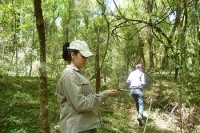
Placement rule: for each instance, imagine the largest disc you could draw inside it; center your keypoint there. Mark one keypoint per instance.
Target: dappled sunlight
(20, 111)
(21, 98)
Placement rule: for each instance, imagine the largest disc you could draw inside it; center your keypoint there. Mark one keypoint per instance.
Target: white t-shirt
(136, 79)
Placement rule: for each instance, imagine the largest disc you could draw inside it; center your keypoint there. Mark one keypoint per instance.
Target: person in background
(77, 101)
(136, 82)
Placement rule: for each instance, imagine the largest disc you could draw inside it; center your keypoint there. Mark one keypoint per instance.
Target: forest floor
(167, 114)
(19, 110)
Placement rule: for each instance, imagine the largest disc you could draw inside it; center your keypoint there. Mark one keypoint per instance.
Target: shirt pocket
(86, 87)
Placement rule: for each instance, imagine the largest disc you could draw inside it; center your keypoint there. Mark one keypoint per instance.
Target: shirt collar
(73, 67)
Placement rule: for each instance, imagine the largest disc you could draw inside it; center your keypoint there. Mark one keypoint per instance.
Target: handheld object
(123, 90)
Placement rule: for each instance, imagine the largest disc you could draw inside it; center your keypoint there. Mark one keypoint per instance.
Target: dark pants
(90, 131)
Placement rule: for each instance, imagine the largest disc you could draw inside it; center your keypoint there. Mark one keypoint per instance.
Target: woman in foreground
(78, 103)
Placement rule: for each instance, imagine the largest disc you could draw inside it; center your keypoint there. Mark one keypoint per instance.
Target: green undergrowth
(19, 100)
(119, 116)
(19, 108)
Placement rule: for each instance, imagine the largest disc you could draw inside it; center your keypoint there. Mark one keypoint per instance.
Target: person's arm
(128, 81)
(82, 103)
(143, 82)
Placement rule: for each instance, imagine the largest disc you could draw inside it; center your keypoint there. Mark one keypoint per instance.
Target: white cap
(81, 46)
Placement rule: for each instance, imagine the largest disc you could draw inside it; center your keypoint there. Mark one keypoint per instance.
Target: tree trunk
(166, 48)
(198, 30)
(182, 27)
(149, 4)
(100, 65)
(97, 65)
(141, 50)
(66, 24)
(164, 61)
(151, 51)
(44, 127)
(15, 46)
(177, 24)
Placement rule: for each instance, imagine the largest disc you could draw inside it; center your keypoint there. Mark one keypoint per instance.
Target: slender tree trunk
(15, 46)
(66, 24)
(149, 5)
(33, 43)
(103, 8)
(10, 64)
(174, 28)
(164, 61)
(141, 50)
(182, 46)
(182, 34)
(44, 127)
(198, 29)
(151, 51)
(181, 58)
(31, 56)
(178, 26)
(97, 65)
(31, 60)
(100, 65)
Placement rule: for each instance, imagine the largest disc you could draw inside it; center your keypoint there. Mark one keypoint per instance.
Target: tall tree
(181, 28)
(97, 30)
(197, 27)
(149, 5)
(15, 37)
(44, 127)
(97, 66)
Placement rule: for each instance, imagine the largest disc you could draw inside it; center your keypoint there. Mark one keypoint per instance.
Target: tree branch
(108, 31)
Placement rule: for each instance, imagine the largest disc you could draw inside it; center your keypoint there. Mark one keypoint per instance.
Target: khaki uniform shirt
(78, 103)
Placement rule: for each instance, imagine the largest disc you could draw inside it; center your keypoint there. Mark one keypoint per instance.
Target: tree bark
(44, 127)
(198, 29)
(141, 51)
(149, 4)
(97, 65)
(66, 21)
(177, 25)
(171, 35)
(182, 27)
(151, 51)
(15, 41)
(100, 65)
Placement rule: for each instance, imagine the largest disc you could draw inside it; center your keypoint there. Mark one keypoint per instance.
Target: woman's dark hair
(66, 52)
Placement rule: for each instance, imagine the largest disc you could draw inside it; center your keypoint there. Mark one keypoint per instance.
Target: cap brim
(86, 53)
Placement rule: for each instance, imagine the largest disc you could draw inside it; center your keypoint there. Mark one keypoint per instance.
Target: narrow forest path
(156, 121)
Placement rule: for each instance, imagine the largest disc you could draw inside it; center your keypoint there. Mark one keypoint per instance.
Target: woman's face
(79, 60)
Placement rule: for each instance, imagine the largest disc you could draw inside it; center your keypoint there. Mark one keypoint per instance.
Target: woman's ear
(72, 54)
